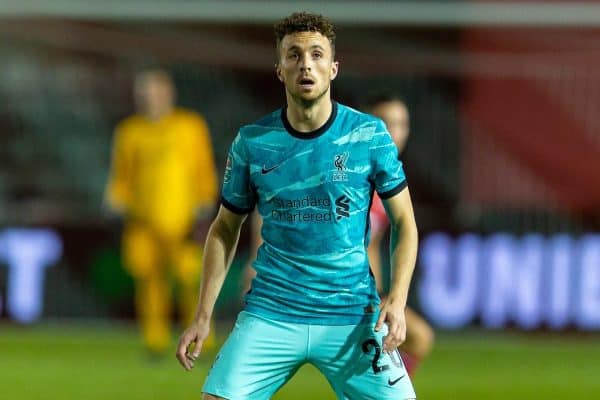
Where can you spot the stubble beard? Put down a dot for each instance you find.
(308, 103)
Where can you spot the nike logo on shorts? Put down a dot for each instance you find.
(393, 382)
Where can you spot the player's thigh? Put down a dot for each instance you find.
(258, 357)
(352, 359)
(141, 251)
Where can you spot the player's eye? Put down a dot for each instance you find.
(317, 54)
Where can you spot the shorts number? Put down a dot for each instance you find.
(396, 358)
(366, 348)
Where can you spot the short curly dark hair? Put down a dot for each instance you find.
(305, 22)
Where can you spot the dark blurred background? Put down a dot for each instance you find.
(503, 161)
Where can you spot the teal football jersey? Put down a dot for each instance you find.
(313, 191)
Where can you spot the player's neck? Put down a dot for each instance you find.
(156, 114)
(309, 117)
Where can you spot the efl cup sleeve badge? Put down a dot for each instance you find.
(227, 175)
(339, 161)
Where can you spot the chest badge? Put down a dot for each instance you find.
(339, 161)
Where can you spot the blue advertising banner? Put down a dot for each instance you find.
(502, 280)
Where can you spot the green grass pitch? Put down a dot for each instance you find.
(104, 362)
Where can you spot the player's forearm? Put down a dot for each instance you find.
(403, 245)
(219, 249)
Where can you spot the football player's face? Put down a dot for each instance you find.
(154, 93)
(306, 65)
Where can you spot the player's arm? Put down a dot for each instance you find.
(403, 255)
(118, 188)
(219, 249)
(206, 171)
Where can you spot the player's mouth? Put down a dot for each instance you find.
(306, 83)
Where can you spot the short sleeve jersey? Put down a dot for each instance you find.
(313, 191)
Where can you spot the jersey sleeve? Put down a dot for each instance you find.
(387, 173)
(238, 194)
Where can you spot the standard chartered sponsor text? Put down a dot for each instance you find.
(305, 209)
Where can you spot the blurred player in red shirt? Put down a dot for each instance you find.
(419, 334)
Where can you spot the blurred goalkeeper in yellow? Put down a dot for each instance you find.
(162, 180)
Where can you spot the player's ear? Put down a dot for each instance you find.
(278, 72)
(334, 69)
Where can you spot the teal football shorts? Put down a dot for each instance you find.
(261, 355)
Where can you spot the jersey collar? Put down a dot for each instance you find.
(312, 134)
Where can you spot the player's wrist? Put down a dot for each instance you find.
(397, 297)
(202, 317)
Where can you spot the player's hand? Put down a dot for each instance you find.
(190, 344)
(392, 313)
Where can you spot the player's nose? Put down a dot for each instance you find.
(305, 63)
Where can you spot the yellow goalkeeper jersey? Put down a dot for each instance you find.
(163, 171)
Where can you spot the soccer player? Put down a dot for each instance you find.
(419, 335)
(393, 111)
(310, 168)
(163, 179)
